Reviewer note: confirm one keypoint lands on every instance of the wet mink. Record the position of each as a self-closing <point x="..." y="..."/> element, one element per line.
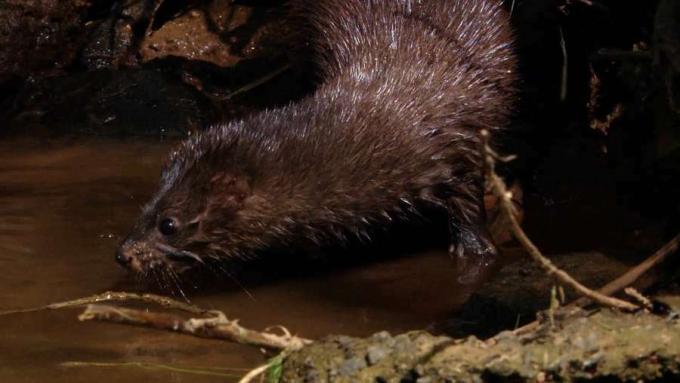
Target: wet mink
<point x="393" y="128"/>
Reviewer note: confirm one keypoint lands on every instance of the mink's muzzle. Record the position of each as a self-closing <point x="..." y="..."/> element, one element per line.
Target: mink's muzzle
<point x="134" y="255"/>
<point x="152" y="253"/>
<point x="141" y="256"/>
<point x="123" y="258"/>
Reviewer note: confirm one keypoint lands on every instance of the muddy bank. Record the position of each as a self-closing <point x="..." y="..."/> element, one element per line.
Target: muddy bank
<point x="596" y="346"/>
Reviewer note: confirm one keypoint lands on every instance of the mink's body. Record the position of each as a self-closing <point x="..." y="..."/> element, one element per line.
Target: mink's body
<point x="394" y="126"/>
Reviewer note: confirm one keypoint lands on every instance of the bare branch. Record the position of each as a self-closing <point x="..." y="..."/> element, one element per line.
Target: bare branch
<point x="505" y="201"/>
<point x="209" y="371"/>
<point x="258" y="82"/>
<point x="215" y="327"/>
<point x="632" y="275"/>
<point x="116" y="296"/>
<point x="644" y="301"/>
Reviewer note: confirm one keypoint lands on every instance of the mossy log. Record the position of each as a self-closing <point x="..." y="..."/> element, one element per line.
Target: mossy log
<point x="603" y="345"/>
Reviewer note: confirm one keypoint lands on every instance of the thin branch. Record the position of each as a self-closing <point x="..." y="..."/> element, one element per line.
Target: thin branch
<point x="258" y="82"/>
<point x="209" y="371"/>
<point x="505" y="200"/>
<point x="632" y="275"/>
<point x="627" y="279"/>
<point x="621" y="55"/>
<point x="564" y="87"/>
<point x="254" y="373"/>
<point x="588" y="3"/>
<point x="152" y="18"/>
<point x="116" y="296"/>
<point x="644" y="301"/>
<point x="272" y="368"/>
<point x="215" y="327"/>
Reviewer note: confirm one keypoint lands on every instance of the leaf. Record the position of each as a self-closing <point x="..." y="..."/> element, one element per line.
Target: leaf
<point x="275" y="369"/>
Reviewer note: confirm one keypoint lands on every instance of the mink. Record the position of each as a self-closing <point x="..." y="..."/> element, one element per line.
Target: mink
<point x="392" y="130"/>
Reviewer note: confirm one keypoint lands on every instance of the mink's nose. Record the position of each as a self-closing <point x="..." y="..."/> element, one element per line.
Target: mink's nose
<point x="122" y="257"/>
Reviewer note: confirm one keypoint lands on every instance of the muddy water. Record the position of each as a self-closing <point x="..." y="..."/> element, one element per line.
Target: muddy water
<point x="64" y="206"/>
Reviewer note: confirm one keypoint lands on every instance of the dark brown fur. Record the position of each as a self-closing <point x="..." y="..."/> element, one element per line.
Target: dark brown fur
<point x="393" y="127"/>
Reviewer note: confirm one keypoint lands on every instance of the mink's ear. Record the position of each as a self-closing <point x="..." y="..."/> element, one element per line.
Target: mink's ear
<point x="227" y="191"/>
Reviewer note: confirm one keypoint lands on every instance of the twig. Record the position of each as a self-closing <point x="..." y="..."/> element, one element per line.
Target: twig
<point x="257" y="82"/>
<point x="209" y="371"/>
<point x="254" y="373"/>
<point x="505" y="201"/>
<point x="273" y="363"/>
<point x="644" y="301"/>
<point x="588" y="3"/>
<point x="635" y="273"/>
<point x="152" y="18"/>
<point x="565" y="67"/>
<point x="215" y="327"/>
<point x="627" y="279"/>
<point x="632" y="275"/>
<point x="621" y="55"/>
<point x="116" y="296"/>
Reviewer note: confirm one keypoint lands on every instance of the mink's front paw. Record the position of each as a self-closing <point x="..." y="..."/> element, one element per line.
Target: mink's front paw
<point x="475" y="253"/>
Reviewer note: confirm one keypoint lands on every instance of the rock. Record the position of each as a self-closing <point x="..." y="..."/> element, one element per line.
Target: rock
<point x="375" y="354"/>
<point x="351" y="366"/>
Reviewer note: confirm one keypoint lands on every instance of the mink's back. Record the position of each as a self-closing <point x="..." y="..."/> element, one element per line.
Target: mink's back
<point x="405" y="88"/>
<point x="403" y="82"/>
<point x="454" y="57"/>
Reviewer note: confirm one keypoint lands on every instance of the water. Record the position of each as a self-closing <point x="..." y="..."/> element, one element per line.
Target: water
<point x="64" y="207"/>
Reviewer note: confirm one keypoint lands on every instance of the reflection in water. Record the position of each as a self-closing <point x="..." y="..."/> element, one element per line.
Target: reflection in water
<point x="64" y="206"/>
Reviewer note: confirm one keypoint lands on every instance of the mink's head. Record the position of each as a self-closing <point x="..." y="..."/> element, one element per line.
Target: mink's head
<point x="190" y="219"/>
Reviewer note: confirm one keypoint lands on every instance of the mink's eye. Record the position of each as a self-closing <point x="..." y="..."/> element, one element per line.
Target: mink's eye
<point x="168" y="226"/>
